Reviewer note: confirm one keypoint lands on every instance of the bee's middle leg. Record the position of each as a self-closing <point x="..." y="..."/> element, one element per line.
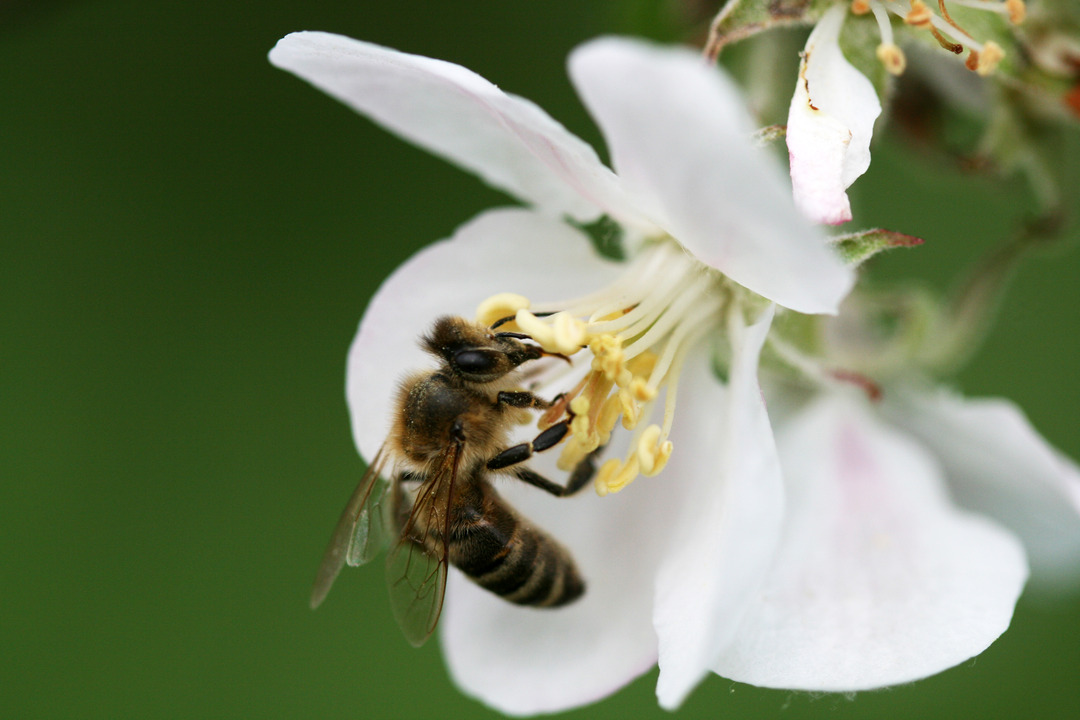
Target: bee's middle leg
<point x="581" y="474"/>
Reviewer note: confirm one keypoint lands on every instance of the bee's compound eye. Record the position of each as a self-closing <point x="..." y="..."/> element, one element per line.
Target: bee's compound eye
<point x="475" y="361"/>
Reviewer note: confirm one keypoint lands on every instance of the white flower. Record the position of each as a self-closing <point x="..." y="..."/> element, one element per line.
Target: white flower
<point x="834" y="107"/>
<point x="863" y="576"/>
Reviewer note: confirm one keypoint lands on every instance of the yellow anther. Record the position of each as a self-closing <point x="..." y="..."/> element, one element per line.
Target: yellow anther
<point x="919" y="15"/>
<point x="580" y="425"/>
<point x="1017" y="11"/>
<point x="614" y="475"/>
<point x="642" y="390"/>
<point x="652" y="454"/>
<point x="892" y="57"/>
<point x="607" y="355"/>
<point x="536" y="328"/>
<point x="580" y="405"/>
<point x="604" y="476"/>
<point x="570" y="333"/>
<point x="642" y="365"/>
<point x="987" y="60"/>
<point x="631" y="414"/>
<point x="860" y="7"/>
<point x="500" y="306"/>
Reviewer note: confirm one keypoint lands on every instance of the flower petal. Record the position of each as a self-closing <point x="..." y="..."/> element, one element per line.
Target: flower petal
<point x="504" y="250"/>
<point x="679" y="137"/>
<point x="829" y="124"/>
<point x="726" y="468"/>
<point x="506" y="140"/>
<point x="880" y="579"/>
<point x="998" y="464"/>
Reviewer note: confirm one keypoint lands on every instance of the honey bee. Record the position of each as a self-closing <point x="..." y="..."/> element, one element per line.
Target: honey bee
<point x="448" y="437"/>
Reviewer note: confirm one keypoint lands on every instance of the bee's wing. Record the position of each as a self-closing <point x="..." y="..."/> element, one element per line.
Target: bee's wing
<point x="416" y="565"/>
<point x="359" y="534"/>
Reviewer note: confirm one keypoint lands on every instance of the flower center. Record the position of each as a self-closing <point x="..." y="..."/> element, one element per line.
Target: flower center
<point x="983" y="58"/>
<point x="638" y="331"/>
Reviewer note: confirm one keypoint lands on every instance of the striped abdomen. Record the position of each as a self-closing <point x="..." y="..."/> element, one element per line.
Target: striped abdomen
<point x="505" y="554"/>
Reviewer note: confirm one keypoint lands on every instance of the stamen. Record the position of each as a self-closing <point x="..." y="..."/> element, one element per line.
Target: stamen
<point x="983" y="58"/>
<point x="1016" y="10"/>
<point x="888" y="52"/>
<point x="638" y="332"/>
<point x="860" y="7"/>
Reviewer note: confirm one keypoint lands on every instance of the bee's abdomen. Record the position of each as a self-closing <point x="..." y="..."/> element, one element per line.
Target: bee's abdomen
<point x="511" y="558"/>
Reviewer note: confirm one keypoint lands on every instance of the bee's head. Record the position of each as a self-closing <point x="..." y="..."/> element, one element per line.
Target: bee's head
<point x="475" y="353"/>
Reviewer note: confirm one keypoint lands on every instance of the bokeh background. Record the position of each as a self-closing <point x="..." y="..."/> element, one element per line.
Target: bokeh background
<point x="189" y="237"/>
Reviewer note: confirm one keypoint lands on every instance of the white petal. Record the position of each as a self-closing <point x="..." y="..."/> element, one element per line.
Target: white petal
<point x="880" y="579"/>
<point x="524" y="661"/>
<point x="679" y="137"/>
<point x="725" y="464"/>
<point x="508" y="250"/>
<point x="997" y="463"/>
<point x="829" y="124"/>
<point x="506" y="140"/>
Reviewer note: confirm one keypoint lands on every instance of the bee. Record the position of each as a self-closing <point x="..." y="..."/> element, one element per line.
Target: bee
<point x="448" y="437"/>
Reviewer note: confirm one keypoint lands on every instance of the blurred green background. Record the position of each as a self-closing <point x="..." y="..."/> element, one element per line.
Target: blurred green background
<point x="189" y="238"/>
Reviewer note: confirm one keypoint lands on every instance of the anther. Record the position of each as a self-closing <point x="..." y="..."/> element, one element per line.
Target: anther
<point x="652" y="455"/>
<point x="570" y="333"/>
<point x="987" y="60"/>
<point x="499" y="306"/>
<point x="892" y="57"/>
<point x="919" y="15"/>
<point x="860" y="7"/>
<point x="1017" y="11"/>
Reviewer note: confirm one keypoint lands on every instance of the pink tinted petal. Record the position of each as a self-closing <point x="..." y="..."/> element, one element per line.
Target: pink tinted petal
<point x="726" y="470"/>
<point x="880" y="580"/>
<point x="998" y="464"/>
<point x="508" y="250"/>
<point x="829" y="124"/>
<point x="506" y="140"/>
<point x="679" y="136"/>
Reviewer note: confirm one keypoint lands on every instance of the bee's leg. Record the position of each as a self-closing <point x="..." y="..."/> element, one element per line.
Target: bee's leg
<point x="525" y="399"/>
<point x="524" y="451"/>
<point x="579" y="478"/>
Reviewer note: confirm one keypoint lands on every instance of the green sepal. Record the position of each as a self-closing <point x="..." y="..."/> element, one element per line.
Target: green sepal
<point x="857" y="248"/>
<point x="741" y="19"/>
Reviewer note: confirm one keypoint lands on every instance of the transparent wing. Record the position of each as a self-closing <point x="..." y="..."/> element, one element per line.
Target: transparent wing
<point x="416" y="565"/>
<point x="359" y="531"/>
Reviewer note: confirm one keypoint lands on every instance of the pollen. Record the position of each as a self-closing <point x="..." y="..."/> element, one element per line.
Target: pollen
<point x="860" y="7"/>
<point x="500" y="306"/>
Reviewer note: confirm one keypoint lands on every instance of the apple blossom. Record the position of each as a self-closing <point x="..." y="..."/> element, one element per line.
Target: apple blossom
<point x="681" y="569"/>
